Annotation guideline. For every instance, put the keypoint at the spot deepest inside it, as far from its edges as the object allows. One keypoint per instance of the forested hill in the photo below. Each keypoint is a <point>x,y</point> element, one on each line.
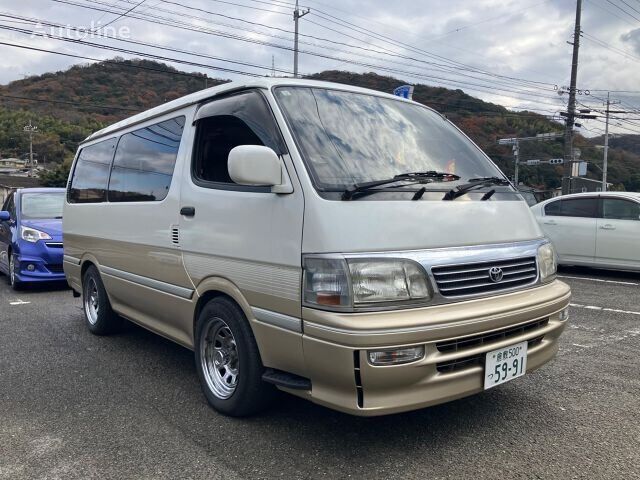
<point>85,98</point>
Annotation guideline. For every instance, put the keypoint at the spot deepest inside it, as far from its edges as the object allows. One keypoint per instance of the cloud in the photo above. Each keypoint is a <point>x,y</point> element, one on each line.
<point>452,43</point>
<point>633,39</point>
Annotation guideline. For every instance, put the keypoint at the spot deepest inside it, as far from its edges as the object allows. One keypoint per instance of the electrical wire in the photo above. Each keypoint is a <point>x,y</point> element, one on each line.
<point>442,67</point>
<point>457,83</point>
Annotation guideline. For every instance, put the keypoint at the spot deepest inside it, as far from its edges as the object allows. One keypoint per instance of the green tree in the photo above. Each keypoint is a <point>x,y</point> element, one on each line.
<point>56,177</point>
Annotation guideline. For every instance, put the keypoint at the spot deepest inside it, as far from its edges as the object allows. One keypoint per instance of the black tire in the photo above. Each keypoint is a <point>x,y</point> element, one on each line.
<point>98,314</point>
<point>250,394</point>
<point>13,283</point>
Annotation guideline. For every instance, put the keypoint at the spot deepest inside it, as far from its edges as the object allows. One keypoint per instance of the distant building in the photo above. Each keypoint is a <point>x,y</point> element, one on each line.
<point>11,182</point>
<point>582,184</point>
<point>11,163</point>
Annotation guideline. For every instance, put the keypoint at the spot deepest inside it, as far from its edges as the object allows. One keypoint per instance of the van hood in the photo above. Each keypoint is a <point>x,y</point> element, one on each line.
<point>372,226</point>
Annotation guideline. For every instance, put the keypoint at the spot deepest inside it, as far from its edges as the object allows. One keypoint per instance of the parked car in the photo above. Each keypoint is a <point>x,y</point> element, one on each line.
<point>594,229</point>
<point>344,245</point>
<point>31,236</point>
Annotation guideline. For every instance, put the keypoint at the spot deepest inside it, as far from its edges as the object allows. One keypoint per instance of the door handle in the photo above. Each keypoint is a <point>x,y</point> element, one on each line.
<point>188,211</point>
<point>550,222</point>
<point>608,226</point>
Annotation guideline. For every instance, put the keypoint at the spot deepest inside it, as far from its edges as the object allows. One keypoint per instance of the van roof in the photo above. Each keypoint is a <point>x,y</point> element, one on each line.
<point>207,93</point>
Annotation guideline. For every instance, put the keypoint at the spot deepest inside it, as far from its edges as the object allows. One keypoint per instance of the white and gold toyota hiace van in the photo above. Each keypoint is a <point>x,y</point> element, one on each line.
<point>340,244</point>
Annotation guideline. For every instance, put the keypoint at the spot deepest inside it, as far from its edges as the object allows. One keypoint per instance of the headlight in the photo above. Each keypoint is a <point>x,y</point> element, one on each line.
<point>32,235</point>
<point>375,281</point>
<point>334,282</point>
<point>547,262</point>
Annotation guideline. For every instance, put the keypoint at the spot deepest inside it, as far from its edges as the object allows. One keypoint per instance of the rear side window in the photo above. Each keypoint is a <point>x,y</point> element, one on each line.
<point>618,209</point>
<point>91,173</point>
<point>574,207</point>
<point>144,162</point>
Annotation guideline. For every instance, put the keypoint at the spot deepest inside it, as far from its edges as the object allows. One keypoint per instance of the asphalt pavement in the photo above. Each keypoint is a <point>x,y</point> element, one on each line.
<point>77,406</point>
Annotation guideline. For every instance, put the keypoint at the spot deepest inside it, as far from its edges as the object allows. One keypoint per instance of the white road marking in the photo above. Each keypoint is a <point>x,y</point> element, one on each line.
<point>603,309</point>
<point>599,280</point>
<point>19,302</point>
<point>583,346</point>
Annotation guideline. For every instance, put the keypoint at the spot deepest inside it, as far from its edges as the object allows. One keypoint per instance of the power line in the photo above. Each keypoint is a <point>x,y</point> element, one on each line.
<point>631,7</point>
<point>623,10</point>
<point>133,52</point>
<point>156,56</point>
<point>185,26</point>
<point>123,14</point>
<point>63,102</point>
<point>443,67</point>
<point>113,62</point>
<point>249,6</point>
<point>112,37</point>
<point>397,43</point>
<point>614,14</point>
<point>385,51</point>
<point>604,44</point>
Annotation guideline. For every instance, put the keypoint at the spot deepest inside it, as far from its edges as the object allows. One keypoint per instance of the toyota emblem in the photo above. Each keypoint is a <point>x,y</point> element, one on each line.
<point>496,274</point>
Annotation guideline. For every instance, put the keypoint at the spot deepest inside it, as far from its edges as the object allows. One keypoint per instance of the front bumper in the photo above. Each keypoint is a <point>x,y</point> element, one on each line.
<point>335,348</point>
<point>40,262</point>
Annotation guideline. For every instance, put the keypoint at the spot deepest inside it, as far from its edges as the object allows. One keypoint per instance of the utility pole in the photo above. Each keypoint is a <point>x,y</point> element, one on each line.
<point>605,158</point>
<point>273,65</point>
<point>606,145</point>
<point>297,15</point>
<point>571,110</point>
<point>515,142</point>
<point>516,156</point>
<point>30,129</point>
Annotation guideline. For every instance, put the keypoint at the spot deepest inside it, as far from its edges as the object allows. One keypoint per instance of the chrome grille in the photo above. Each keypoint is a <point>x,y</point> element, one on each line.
<point>466,343</point>
<point>474,360</point>
<point>458,344</point>
<point>474,278</point>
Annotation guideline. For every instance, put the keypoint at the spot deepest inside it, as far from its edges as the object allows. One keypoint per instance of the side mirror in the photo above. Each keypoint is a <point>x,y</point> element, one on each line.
<point>255,165</point>
<point>4,216</point>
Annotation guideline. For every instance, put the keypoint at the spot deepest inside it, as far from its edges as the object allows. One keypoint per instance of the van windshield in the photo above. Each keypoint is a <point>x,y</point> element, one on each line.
<point>350,138</point>
<point>42,205</point>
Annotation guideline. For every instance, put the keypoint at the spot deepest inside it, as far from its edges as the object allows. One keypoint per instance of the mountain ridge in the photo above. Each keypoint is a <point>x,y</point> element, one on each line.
<point>75,102</point>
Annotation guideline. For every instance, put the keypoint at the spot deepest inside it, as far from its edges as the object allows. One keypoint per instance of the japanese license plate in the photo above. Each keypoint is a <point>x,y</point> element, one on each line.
<point>505,364</point>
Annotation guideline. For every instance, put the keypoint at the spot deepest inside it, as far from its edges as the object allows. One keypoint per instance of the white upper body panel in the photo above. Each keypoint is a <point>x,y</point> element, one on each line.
<point>364,225</point>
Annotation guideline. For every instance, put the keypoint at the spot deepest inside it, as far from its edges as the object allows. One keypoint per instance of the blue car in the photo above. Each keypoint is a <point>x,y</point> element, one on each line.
<point>31,236</point>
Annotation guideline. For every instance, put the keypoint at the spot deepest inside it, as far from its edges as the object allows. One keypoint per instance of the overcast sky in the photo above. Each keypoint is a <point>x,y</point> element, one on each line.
<point>492,49</point>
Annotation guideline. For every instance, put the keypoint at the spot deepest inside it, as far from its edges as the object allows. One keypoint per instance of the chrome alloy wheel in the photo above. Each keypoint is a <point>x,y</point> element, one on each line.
<point>91,297</point>
<point>219,358</point>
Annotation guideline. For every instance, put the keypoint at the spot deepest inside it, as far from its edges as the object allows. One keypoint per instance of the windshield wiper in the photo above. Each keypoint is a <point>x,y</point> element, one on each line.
<point>473,184</point>
<point>414,177</point>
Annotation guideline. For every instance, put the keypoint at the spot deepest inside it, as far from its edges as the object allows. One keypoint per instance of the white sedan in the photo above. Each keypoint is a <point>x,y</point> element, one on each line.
<point>600,229</point>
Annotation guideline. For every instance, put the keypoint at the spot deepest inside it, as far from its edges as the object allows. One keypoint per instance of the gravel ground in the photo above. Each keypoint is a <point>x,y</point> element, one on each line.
<point>73,405</point>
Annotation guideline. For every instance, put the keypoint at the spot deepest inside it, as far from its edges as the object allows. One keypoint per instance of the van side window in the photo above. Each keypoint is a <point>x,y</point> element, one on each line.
<point>573,207</point>
<point>144,162</point>
<point>240,119</point>
<point>619,209</point>
<point>91,173</point>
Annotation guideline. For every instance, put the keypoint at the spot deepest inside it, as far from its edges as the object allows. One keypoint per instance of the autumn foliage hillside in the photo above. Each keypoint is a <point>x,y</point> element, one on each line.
<point>68,105</point>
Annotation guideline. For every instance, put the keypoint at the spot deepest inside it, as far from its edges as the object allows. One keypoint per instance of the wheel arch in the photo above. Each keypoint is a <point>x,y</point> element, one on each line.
<point>214,287</point>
